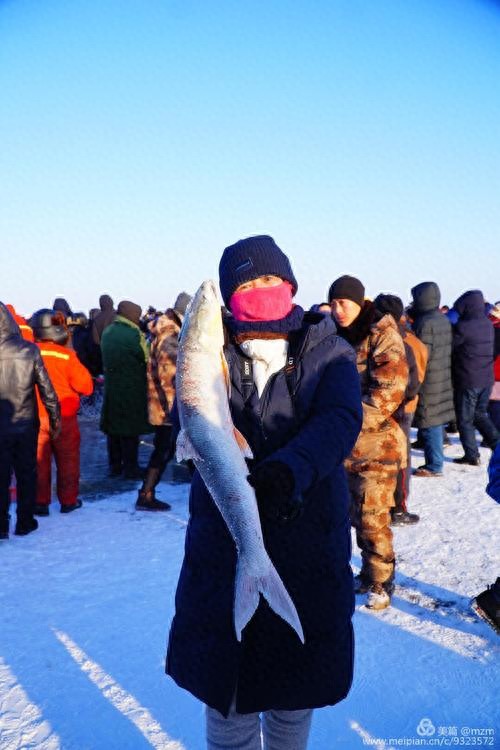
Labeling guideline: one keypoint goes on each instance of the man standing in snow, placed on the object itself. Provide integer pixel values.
(70, 380)
(21, 369)
(103, 319)
(416, 356)
(124, 415)
(380, 450)
(472, 360)
(161, 369)
(435, 404)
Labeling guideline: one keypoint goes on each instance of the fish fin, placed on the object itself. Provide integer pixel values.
(243, 444)
(246, 598)
(184, 450)
(273, 589)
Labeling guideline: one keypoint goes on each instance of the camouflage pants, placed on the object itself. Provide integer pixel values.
(372, 496)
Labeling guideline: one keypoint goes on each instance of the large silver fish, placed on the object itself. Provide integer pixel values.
(209, 438)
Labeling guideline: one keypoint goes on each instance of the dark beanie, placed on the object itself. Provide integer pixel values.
(250, 258)
(347, 287)
(389, 304)
(130, 310)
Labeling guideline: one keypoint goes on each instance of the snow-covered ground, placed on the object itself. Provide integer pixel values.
(86, 601)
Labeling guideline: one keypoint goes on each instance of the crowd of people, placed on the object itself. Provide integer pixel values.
(325, 398)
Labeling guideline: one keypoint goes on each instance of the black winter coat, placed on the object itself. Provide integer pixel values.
(21, 368)
(435, 403)
(270, 668)
(473, 344)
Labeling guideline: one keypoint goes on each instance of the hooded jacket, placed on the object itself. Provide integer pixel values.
(312, 434)
(21, 369)
(63, 306)
(104, 318)
(435, 403)
(473, 344)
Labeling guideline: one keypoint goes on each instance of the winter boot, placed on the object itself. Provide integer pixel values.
(403, 518)
(69, 508)
(4, 527)
(378, 598)
(423, 471)
(41, 509)
(146, 500)
(471, 460)
(361, 585)
(26, 526)
(487, 605)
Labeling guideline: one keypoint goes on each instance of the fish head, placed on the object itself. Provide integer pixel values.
(202, 326)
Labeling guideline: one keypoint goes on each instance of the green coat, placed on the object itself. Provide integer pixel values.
(124, 355)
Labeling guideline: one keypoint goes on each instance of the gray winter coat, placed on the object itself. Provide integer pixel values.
(435, 403)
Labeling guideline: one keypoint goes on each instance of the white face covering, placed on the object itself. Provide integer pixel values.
(268, 356)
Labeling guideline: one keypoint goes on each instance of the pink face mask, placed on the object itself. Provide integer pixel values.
(262, 303)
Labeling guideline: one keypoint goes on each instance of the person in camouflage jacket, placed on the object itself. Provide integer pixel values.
(380, 450)
(161, 369)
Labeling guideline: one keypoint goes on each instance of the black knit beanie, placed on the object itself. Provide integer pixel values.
(347, 287)
(130, 310)
(250, 258)
(389, 304)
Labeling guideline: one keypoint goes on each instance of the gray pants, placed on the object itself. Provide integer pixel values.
(281, 730)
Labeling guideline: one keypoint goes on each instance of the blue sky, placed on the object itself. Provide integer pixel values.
(138, 138)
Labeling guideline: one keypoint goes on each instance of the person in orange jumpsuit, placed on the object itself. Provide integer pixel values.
(26, 330)
(70, 380)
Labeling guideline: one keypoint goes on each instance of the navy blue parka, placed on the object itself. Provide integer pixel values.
(312, 433)
(473, 344)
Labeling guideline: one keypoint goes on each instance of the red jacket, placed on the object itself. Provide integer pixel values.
(69, 377)
(26, 331)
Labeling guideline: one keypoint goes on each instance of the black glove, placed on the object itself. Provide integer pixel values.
(274, 484)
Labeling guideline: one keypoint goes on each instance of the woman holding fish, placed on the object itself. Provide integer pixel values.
(265, 595)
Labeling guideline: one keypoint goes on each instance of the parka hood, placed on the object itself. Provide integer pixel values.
(8, 326)
(62, 305)
(105, 302)
(426, 297)
(470, 304)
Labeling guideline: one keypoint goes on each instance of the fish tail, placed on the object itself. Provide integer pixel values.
(246, 599)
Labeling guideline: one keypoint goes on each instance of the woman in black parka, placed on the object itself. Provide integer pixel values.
(301, 422)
